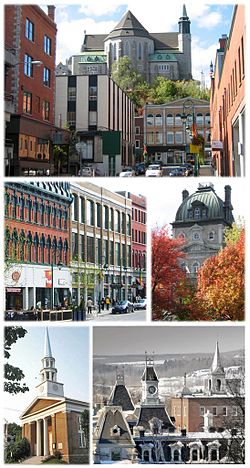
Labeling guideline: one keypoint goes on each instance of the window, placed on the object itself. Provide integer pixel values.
(139, 51)
(98, 215)
(207, 119)
(71, 94)
(92, 118)
(105, 214)
(137, 143)
(158, 137)
(93, 93)
(126, 48)
(90, 213)
(75, 208)
(170, 138)
(117, 221)
(214, 410)
(111, 219)
(46, 76)
(118, 254)
(81, 434)
(87, 149)
(196, 236)
(47, 45)
(158, 119)
(170, 120)
(28, 67)
(202, 410)
(197, 213)
(46, 110)
(178, 121)
(211, 235)
(195, 267)
(178, 137)
(27, 102)
(224, 410)
(137, 130)
(82, 207)
(199, 119)
(29, 30)
(74, 246)
(150, 119)
(242, 57)
(150, 137)
(90, 249)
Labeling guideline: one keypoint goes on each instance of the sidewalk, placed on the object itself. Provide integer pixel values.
(95, 314)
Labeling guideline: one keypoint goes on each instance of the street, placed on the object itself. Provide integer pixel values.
(107, 316)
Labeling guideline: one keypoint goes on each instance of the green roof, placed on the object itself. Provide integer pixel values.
(162, 57)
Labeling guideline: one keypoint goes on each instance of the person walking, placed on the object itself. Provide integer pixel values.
(107, 302)
(89, 305)
(103, 303)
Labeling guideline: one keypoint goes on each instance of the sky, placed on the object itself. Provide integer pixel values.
(70, 348)
(164, 195)
(167, 339)
(208, 22)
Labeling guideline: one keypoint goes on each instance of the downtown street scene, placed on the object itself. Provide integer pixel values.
(74, 252)
(120, 100)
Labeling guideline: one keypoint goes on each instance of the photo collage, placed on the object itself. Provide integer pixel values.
(124, 211)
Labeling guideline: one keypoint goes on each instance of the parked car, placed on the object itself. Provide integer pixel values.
(123, 307)
(178, 172)
(140, 169)
(141, 304)
(127, 172)
(189, 168)
(85, 171)
(154, 170)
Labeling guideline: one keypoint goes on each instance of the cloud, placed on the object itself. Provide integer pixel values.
(201, 58)
(98, 9)
(211, 20)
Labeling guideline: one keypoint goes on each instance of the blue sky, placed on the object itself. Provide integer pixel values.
(70, 348)
(208, 22)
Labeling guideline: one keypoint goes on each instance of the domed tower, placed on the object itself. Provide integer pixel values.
(201, 220)
(129, 38)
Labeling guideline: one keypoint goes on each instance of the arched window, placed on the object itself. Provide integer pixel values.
(199, 119)
(65, 248)
(14, 242)
(29, 247)
(126, 48)
(170, 120)
(158, 120)
(54, 249)
(178, 121)
(182, 235)
(42, 248)
(211, 235)
(22, 245)
(207, 118)
(195, 267)
(139, 51)
(36, 244)
(218, 385)
(60, 248)
(150, 119)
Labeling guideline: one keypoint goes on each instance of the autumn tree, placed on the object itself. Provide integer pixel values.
(168, 276)
(221, 280)
(13, 375)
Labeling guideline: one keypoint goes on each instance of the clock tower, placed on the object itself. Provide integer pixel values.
(150, 384)
(49, 387)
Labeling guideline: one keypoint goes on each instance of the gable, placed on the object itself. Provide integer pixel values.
(38, 405)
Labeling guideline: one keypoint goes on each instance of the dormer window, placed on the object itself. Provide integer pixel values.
(115, 430)
(211, 235)
(197, 213)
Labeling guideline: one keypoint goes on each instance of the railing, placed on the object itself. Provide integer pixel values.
(39, 315)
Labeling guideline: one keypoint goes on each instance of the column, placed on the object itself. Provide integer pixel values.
(45, 437)
(38, 438)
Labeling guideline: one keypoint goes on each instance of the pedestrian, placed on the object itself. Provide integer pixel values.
(39, 305)
(103, 303)
(89, 305)
(107, 302)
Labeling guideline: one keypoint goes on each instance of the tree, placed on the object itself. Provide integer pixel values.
(60, 154)
(221, 281)
(167, 273)
(85, 425)
(125, 75)
(13, 375)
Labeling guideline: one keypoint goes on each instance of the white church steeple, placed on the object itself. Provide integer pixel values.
(216, 383)
(49, 387)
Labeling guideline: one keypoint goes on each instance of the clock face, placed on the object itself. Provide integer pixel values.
(55, 387)
(152, 389)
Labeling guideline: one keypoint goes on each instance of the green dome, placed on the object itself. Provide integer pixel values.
(205, 205)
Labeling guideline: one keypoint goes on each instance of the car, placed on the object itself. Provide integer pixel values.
(154, 170)
(140, 304)
(189, 168)
(123, 307)
(178, 172)
(127, 172)
(85, 171)
(140, 169)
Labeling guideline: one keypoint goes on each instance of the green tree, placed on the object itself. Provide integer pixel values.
(15, 430)
(13, 375)
(125, 75)
(60, 154)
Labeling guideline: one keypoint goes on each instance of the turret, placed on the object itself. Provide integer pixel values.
(184, 22)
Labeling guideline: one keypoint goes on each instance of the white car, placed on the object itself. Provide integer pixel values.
(127, 172)
(86, 172)
(154, 170)
(141, 304)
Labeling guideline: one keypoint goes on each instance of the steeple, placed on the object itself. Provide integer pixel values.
(184, 22)
(120, 395)
(216, 364)
(49, 387)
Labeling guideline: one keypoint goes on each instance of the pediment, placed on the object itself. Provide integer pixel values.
(40, 404)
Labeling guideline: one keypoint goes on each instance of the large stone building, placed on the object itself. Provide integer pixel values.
(52, 422)
(30, 48)
(167, 136)
(101, 244)
(201, 220)
(228, 100)
(166, 54)
(37, 244)
(102, 117)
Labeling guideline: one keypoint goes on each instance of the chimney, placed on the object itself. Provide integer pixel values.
(51, 12)
(223, 41)
(185, 194)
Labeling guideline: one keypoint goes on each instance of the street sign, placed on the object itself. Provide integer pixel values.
(217, 145)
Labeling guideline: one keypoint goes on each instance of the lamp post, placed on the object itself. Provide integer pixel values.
(59, 265)
(189, 104)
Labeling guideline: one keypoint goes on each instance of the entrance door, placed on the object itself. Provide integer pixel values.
(50, 443)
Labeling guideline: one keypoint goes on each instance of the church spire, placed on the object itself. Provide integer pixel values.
(184, 22)
(47, 347)
(216, 364)
(49, 386)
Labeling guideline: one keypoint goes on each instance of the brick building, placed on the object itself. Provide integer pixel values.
(101, 254)
(102, 116)
(228, 100)
(30, 48)
(37, 244)
(52, 421)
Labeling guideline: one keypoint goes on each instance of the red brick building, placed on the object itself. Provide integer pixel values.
(30, 48)
(37, 244)
(139, 137)
(227, 104)
(139, 242)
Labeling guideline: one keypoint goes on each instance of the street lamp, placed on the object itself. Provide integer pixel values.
(59, 265)
(189, 104)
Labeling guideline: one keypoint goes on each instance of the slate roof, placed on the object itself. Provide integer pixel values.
(146, 413)
(128, 26)
(149, 374)
(168, 40)
(121, 397)
(94, 42)
(109, 419)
